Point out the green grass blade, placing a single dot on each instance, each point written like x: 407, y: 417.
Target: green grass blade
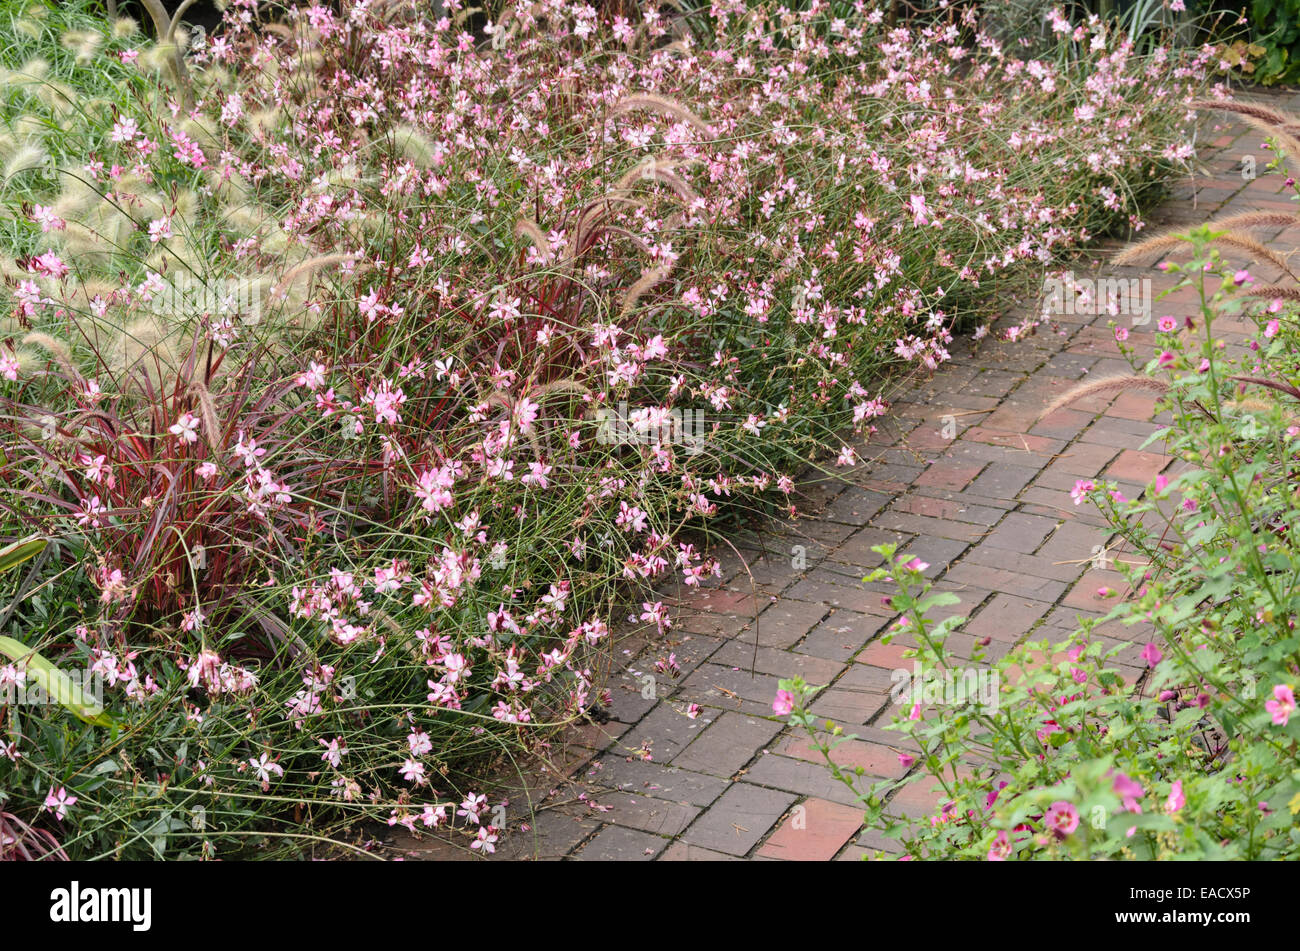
x: 55, y: 683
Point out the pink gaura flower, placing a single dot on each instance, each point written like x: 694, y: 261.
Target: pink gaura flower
x: 186, y: 429
x: 59, y: 802
x: 920, y: 212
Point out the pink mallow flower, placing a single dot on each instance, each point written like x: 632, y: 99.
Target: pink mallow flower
x: 1000, y: 851
x: 1152, y: 654
x: 1176, y: 798
x: 784, y: 703
x: 1129, y: 791
x: 1062, y: 818
x: 1282, y: 705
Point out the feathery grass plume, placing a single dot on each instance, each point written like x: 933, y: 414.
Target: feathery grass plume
x: 124, y: 27
x: 1246, y: 243
x: 173, y: 251
x: 1270, y: 291
x: 592, y: 218
x: 82, y: 294
x: 27, y: 158
x: 276, y: 243
x: 83, y: 44
x: 35, y: 70
x: 1272, y: 122
x: 642, y: 287
x: 98, y: 107
x: 28, y: 127
x: 59, y: 350
x: 58, y: 97
x: 1255, y: 110
x: 155, y: 59
x: 96, y: 227
x: 562, y: 387
x: 307, y: 65
x: 1258, y: 219
x: 664, y: 107
x: 204, y: 133
x: 305, y: 269
x: 149, y: 346
x: 91, y: 247
x: 208, y: 410
x: 1170, y: 241
x: 566, y: 386
x: 245, y: 220
x: 1280, y: 387
x: 1251, y: 405
x: 641, y: 243
x: 463, y: 14
x: 413, y: 144
x: 347, y: 175
x: 267, y: 121
x: 650, y: 168
x: 29, y: 28
x: 538, y: 394
x: 677, y: 185
x: 79, y: 195
x: 387, y: 8
x: 232, y: 190
x: 1105, y: 386
x: 527, y: 228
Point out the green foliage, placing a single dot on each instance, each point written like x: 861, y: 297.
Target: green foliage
x: 1275, y: 26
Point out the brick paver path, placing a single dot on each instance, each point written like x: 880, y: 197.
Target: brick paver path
x: 989, y: 509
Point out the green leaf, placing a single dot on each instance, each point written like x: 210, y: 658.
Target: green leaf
x: 55, y: 683
x: 941, y: 599
x: 11, y: 556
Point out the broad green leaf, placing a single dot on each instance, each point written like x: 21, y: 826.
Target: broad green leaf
x: 55, y: 683
x: 941, y: 599
x: 11, y: 556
